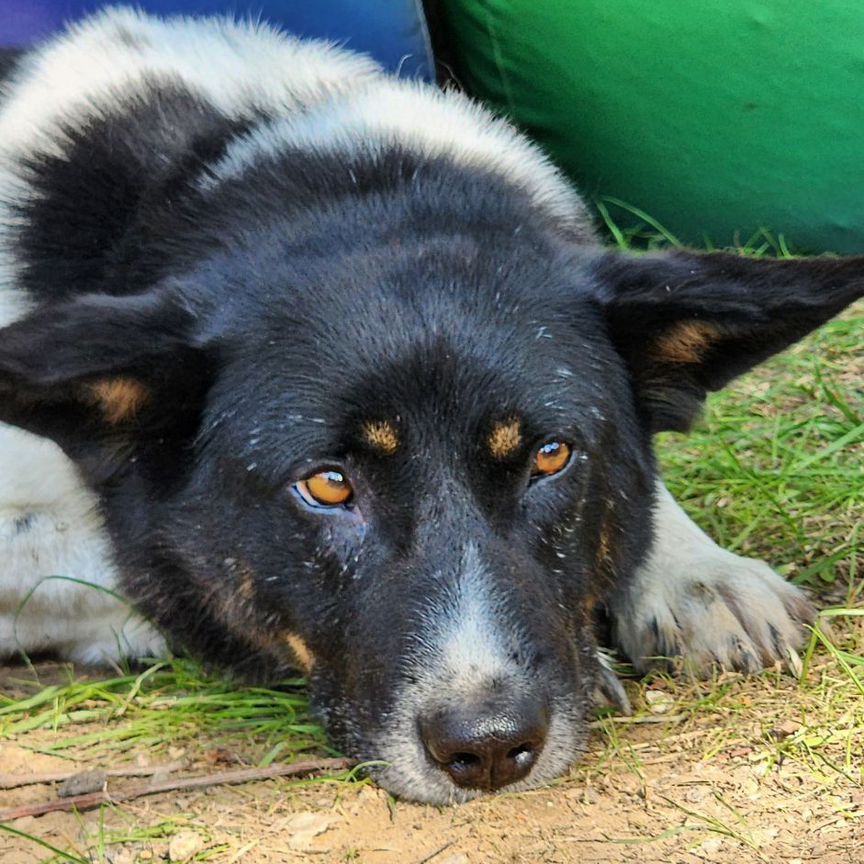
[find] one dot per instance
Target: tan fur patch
(382, 436)
(604, 559)
(505, 439)
(246, 583)
(120, 398)
(686, 342)
(604, 547)
(305, 658)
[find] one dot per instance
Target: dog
(326, 370)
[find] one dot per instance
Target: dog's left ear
(687, 323)
(102, 369)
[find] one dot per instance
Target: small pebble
(694, 795)
(658, 701)
(82, 783)
(711, 846)
(184, 846)
(303, 827)
(783, 730)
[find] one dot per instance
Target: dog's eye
(326, 489)
(551, 458)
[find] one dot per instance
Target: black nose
(486, 747)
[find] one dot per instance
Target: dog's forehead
(430, 339)
(400, 394)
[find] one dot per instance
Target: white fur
(694, 599)
(239, 67)
(236, 66)
(51, 532)
(462, 636)
(431, 122)
(13, 304)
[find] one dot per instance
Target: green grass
(167, 708)
(776, 469)
(167, 705)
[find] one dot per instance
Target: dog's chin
(405, 769)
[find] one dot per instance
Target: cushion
(392, 31)
(716, 117)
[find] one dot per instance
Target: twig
(224, 778)
(15, 781)
(638, 721)
(436, 853)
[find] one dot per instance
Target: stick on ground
(16, 781)
(223, 778)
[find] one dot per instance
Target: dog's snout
(484, 747)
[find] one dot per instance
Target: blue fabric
(392, 31)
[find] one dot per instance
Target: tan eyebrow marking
(686, 342)
(305, 657)
(505, 438)
(120, 398)
(382, 435)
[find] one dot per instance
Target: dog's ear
(102, 368)
(687, 323)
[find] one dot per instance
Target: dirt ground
(747, 775)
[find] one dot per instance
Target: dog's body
(346, 383)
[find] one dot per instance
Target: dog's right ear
(687, 323)
(103, 368)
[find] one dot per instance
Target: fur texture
(225, 257)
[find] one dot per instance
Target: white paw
(693, 600)
(134, 640)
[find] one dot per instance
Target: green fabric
(717, 117)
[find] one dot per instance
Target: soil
(677, 788)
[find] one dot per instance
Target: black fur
(117, 187)
(9, 60)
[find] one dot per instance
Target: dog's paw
(695, 601)
(115, 640)
(727, 612)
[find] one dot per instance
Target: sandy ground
(722, 784)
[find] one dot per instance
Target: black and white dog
(341, 378)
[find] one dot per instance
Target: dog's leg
(57, 577)
(694, 600)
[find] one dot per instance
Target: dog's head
(409, 453)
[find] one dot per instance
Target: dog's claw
(793, 661)
(609, 688)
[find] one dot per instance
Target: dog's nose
(486, 749)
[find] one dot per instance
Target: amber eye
(551, 458)
(326, 489)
